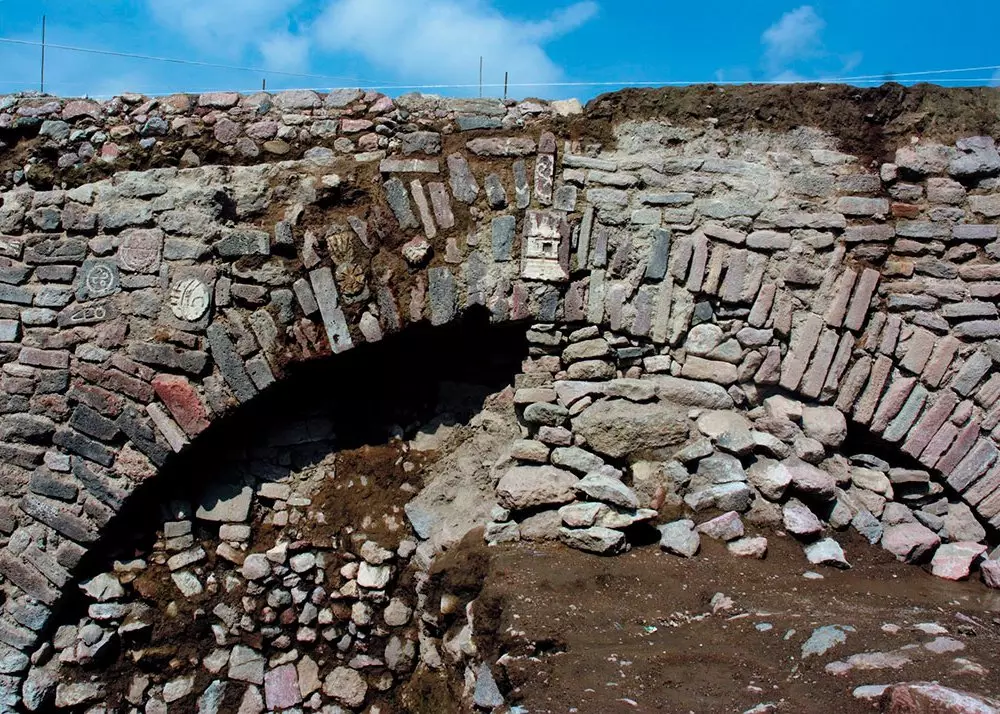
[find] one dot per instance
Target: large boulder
(533, 486)
(618, 427)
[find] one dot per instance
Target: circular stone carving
(100, 280)
(189, 299)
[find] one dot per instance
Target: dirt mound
(870, 122)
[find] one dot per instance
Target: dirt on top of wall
(870, 122)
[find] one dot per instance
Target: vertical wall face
(138, 308)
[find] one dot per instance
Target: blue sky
(389, 43)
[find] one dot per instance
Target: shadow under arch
(357, 398)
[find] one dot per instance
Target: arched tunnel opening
(273, 563)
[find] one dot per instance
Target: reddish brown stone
(964, 441)
(932, 420)
(183, 402)
(905, 210)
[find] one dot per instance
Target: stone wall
(138, 307)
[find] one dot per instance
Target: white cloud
(226, 27)
(441, 41)
(285, 52)
(797, 35)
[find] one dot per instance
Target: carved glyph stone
(189, 299)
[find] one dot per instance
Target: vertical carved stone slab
(545, 166)
(545, 250)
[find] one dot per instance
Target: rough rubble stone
(680, 538)
(910, 542)
(617, 427)
(523, 487)
(953, 561)
(826, 552)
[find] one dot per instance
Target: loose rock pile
(614, 441)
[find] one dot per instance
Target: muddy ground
(635, 633)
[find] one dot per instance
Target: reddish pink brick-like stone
(964, 442)
(853, 383)
(892, 402)
(862, 300)
(982, 455)
(932, 420)
(940, 360)
(986, 488)
(183, 402)
(804, 339)
(838, 306)
(870, 397)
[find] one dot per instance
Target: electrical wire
(859, 79)
(172, 60)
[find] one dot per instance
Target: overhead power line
(174, 60)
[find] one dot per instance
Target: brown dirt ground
(583, 628)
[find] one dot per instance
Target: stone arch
(140, 308)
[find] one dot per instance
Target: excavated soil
(871, 123)
(635, 633)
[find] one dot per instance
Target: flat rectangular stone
(29, 580)
(503, 232)
(917, 350)
(979, 459)
(989, 507)
(441, 202)
(399, 202)
(940, 359)
(423, 208)
(717, 261)
(52, 359)
(841, 297)
(15, 294)
(230, 362)
(862, 206)
(986, 290)
(975, 368)
(815, 376)
(879, 233)
(974, 232)
(409, 166)
(988, 271)
(756, 267)
(862, 300)
(463, 183)
(942, 406)
(699, 261)
(869, 400)
(442, 295)
(985, 487)
(260, 372)
(304, 293)
(77, 443)
(522, 190)
(661, 312)
(585, 162)
(890, 404)
(659, 255)
(59, 518)
(992, 420)
(838, 366)
(988, 394)
(969, 309)
(667, 199)
(473, 123)
(727, 235)
(173, 434)
(803, 342)
(595, 304)
(736, 273)
(761, 309)
(583, 245)
(938, 444)
(890, 335)
(903, 421)
(46, 564)
(328, 299)
(964, 441)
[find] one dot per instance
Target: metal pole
(263, 84)
(43, 56)
(480, 76)
(505, 75)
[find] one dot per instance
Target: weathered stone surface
(595, 539)
(524, 487)
(617, 427)
(910, 542)
(680, 538)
